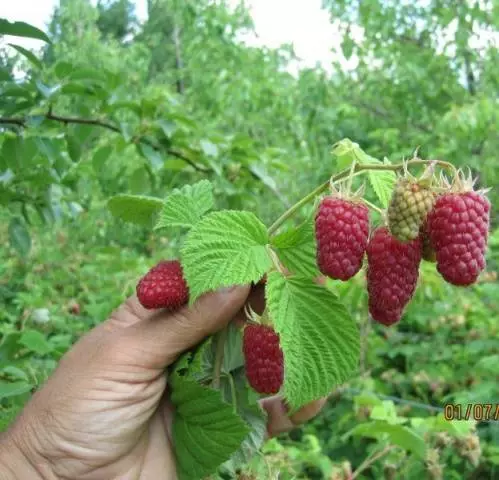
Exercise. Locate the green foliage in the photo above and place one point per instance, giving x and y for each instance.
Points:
(144, 115)
(319, 338)
(225, 248)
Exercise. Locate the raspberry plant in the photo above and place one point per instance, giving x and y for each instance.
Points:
(217, 412)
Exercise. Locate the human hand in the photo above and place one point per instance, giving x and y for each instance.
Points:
(105, 414)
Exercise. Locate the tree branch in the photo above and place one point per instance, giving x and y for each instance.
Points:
(21, 121)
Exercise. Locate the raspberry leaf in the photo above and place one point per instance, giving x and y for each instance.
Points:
(235, 389)
(184, 207)
(225, 248)
(204, 424)
(319, 338)
(296, 248)
(137, 209)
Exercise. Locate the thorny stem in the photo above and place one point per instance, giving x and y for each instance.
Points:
(220, 339)
(344, 173)
(370, 460)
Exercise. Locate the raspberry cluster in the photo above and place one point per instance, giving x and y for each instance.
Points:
(448, 225)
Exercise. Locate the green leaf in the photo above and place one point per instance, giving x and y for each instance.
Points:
(100, 157)
(35, 342)
(296, 248)
(74, 147)
(137, 209)
(45, 90)
(397, 434)
(19, 236)
(235, 388)
(206, 430)
(383, 182)
(29, 55)
(225, 248)
(12, 152)
(21, 29)
(319, 338)
(12, 389)
(153, 156)
(184, 207)
(209, 148)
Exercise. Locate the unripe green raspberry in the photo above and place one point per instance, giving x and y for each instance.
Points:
(411, 201)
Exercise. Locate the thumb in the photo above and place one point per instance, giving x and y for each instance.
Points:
(158, 338)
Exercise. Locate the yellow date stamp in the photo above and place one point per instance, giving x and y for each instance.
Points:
(479, 412)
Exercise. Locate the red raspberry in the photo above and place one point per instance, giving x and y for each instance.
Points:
(458, 227)
(163, 287)
(392, 275)
(342, 231)
(263, 357)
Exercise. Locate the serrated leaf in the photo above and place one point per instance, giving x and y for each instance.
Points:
(236, 388)
(137, 209)
(319, 338)
(35, 342)
(19, 236)
(22, 29)
(204, 424)
(29, 55)
(184, 207)
(383, 182)
(397, 434)
(225, 248)
(296, 248)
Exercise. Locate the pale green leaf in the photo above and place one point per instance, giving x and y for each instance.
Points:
(137, 209)
(319, 338)
(209, 148)
(35, 342)
(22, 29)
(12, 389)
(184, 207)
(29, 55)
(396, 434)
(225, 248)
(296, 248)
(206, 430)
(383, 182)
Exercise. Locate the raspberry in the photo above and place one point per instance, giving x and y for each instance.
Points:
(392, 275)
(342, 231)
(263, 357)
(411, 201)
(163, 286)
(458, 227)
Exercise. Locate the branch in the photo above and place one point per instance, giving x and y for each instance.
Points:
(372, 459)
(21, 121)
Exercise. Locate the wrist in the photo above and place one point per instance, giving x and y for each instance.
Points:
(19, 461)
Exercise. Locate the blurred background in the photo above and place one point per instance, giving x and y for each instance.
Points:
(142, 97)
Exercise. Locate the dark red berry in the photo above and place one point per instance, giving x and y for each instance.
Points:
(458, 227)
(163, 287)
(264, 359)
(392, 275)
(342, 231)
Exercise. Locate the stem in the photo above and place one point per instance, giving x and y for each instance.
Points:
(344, 173)
(220, 339)
(370, 460)
(374, 207)
(232, 392)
